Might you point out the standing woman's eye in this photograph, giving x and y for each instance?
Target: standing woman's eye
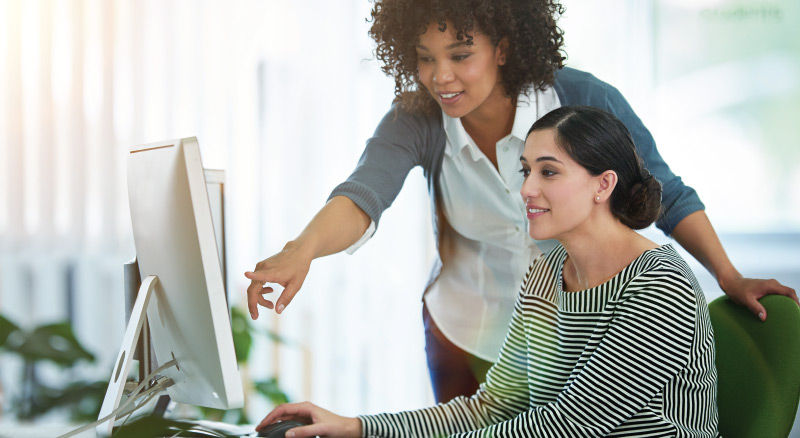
(548, 172)
(525, 172)
(460, 57)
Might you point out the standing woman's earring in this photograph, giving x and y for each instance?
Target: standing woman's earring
(596, 198)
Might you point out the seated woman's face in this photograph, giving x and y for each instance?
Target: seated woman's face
(559, 193)
(460, 77)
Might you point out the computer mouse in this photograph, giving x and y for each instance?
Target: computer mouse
(278, 429)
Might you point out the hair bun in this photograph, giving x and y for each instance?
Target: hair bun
(644, 203)
(599, 141)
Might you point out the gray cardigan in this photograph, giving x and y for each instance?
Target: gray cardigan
(403, 140)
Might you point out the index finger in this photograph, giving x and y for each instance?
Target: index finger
(261, 276)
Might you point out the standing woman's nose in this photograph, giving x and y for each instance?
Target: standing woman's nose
(442, 73)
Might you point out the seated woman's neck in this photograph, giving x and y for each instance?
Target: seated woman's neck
(598, 255)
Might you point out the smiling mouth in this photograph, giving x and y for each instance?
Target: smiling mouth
(450, 95)
(538, 210)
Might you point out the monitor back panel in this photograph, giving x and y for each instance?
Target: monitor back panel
(174, 237)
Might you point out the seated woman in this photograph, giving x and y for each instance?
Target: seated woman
(610, 334)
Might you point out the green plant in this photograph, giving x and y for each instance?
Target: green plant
(55, 343)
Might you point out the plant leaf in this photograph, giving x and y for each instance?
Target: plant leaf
(82, 398)
(239, 317)
(53, 342)
(242, 337)
(6, 329)
(270, 389)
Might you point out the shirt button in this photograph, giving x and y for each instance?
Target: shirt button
(505, 149)
(517, 228)
(508, 191)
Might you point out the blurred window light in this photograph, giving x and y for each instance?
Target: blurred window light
(5, 154)
(30, 67)
(728, 97)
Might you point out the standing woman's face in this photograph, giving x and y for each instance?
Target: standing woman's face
(460, 77)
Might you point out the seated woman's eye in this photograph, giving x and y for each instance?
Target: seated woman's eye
(460, 57)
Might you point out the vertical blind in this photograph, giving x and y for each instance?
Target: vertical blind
(281, 95)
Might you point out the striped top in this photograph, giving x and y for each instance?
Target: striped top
(631, 357)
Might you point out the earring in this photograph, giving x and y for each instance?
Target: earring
(596, 198)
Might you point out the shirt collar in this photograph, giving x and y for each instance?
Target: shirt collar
(457, 136)
(525, 116)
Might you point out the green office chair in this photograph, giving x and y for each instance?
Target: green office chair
(758, 366)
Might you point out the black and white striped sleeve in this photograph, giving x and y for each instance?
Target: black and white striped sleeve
(501, 398)
(648, 341)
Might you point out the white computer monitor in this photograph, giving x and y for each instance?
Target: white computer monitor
(182, 293)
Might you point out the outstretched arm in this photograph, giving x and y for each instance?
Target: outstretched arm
(696, 234)
(337, 226)
(401, 142)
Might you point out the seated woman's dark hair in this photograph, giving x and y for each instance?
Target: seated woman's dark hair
(598, 141)
(535, 40)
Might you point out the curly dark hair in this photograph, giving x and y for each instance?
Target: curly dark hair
(535, 40)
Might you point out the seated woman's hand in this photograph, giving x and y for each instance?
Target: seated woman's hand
(324, 422)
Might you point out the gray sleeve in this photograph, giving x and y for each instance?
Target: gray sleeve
(400, 142)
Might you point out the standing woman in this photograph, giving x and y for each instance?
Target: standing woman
(610, 335)
(470, 77)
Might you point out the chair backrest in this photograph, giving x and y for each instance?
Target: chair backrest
(758, 364)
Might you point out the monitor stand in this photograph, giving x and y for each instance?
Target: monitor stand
(135, 328)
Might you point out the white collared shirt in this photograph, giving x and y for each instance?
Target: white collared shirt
(487, 248)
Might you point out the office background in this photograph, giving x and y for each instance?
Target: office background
(282, 96)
